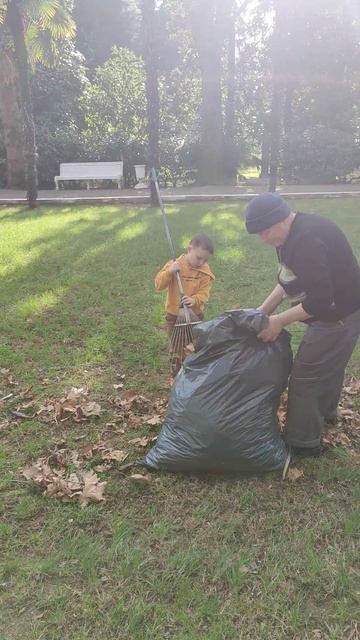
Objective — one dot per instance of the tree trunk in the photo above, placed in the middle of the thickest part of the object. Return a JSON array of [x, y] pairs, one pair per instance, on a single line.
[[278, 58], [288, 111], [13, 135], [150, 54], [288, 119], [207, 35], [275, 134], [265, 147], [230, 159], [16, 27]]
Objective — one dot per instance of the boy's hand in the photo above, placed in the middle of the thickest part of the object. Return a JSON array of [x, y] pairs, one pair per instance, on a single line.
[[174, 267], [188, 301]]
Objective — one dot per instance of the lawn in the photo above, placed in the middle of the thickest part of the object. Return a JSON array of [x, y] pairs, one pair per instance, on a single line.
[[185, 558]]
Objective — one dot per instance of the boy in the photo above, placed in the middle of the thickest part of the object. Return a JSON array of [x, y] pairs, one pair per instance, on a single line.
[[196, 279]]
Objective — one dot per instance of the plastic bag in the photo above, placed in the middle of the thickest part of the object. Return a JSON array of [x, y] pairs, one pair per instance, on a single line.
[[222, 414]]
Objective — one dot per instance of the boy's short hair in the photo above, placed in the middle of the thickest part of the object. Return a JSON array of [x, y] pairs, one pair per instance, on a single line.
[[203, 241]]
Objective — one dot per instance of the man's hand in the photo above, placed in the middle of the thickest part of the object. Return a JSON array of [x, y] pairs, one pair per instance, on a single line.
[[273, 329], [174, 267], [188, 301]]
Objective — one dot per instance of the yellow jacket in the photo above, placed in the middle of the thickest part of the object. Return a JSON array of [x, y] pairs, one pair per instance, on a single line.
[[196, 283]]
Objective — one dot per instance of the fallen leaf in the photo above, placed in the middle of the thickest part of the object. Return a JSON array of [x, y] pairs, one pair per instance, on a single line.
[[131, 398], [90, 409], [114, 454], [102, 467], [125, 467], [347, 414], [294, 474], [134, 421], [76, 395], [33, 472], [189, 348], [93, 490], [45, 408], [118, 386], [154, 420], [140, 442], [343, 439], [353, 388], [138, 478], [329, 439], [88, 450]]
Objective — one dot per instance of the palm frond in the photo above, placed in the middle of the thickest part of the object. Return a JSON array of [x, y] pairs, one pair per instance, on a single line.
[[41, 47], [42, 9], [3, 10], [60, 25]]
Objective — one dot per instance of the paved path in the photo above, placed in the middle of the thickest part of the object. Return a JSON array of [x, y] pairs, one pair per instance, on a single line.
[[178, 194]]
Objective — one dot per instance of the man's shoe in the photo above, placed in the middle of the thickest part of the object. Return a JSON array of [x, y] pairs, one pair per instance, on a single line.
[[332, 419], [298, 453]]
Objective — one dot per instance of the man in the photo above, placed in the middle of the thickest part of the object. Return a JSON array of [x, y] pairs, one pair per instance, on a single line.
[[320, 276]]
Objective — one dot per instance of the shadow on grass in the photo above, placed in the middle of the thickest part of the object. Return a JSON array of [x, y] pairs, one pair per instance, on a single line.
[[78, 286]]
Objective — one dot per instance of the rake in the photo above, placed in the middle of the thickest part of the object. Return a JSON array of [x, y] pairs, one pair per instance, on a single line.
[[182, 334]]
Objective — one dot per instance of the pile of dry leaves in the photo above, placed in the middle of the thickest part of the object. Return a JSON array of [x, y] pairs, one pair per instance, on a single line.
[[75, 405], [72, 475]]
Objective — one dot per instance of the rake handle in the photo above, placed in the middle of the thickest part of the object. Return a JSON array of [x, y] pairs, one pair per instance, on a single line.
[[153, 177]]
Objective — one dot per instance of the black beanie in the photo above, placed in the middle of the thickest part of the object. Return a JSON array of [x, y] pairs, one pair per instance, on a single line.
[[264, 211]]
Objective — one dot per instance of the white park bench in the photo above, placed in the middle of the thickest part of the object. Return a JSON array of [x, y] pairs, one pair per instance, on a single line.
[[90, 171]]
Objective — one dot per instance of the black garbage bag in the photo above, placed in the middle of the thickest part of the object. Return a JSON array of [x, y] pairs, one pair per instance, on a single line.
[[222, 414]]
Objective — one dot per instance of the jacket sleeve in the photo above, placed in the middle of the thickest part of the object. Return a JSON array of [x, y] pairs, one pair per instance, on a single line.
[[203, 294], [163, 278], [314, 273]]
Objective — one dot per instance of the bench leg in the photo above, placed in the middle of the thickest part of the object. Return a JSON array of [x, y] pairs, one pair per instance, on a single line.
[[56, 185], [87, 185]]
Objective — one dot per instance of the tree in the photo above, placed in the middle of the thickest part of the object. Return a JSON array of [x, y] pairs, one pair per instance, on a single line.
[[33, 28], [11, 120], [102, 25], [114, 110], [15, 22], [233, 19], [320, 122], [206, 19], [150, 55], [59, 119]]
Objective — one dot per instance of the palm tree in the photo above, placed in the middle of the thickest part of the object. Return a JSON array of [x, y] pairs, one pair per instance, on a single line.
[[29, 30]]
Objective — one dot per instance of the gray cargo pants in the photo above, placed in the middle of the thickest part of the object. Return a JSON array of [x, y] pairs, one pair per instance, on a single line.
[[317, 377]]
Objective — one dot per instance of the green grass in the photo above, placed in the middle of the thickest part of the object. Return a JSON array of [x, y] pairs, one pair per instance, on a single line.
[[187, 558]]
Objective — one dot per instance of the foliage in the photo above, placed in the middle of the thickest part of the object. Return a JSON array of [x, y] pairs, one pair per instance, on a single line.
[[114, 109], [56, 94], [215, 84]]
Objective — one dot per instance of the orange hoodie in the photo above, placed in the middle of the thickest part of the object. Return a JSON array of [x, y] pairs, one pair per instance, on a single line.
[[195, 281]]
